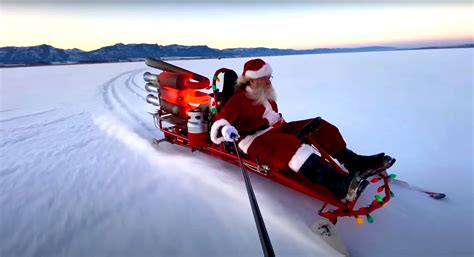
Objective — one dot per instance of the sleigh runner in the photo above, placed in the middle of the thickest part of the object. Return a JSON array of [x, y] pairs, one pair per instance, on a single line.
[[184, 114]]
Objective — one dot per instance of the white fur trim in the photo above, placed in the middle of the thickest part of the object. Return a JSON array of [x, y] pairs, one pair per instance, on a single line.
[[266, 70], [245, 143], [269, 114], [300, 157], [218, 124]]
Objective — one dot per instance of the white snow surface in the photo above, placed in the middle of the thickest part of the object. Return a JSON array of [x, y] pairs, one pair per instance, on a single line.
[[79, 176]]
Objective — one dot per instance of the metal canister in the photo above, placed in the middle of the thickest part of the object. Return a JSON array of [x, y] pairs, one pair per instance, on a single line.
[[152, 99], [198, 135], [150, 87], [149, 77]]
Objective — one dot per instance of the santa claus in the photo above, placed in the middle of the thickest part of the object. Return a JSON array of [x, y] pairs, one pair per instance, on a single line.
[[251, 116]]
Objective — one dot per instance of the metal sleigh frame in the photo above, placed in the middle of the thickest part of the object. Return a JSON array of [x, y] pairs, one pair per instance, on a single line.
[[174, 135], [177, 134]]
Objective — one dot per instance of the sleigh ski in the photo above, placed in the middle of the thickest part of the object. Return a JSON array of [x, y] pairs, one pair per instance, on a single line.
[[186, 104]]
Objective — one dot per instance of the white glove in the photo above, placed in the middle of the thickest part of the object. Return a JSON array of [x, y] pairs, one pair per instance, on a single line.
[[230, 133], [273, 117]]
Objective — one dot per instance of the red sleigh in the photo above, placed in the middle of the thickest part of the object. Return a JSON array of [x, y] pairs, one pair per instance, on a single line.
[[184, 114]]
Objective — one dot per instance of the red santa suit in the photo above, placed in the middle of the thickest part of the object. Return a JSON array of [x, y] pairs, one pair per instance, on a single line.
[[266, 137], [264, 134]]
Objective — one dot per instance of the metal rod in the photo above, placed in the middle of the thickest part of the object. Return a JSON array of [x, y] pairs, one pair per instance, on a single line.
[[262, 230], [164, 66]]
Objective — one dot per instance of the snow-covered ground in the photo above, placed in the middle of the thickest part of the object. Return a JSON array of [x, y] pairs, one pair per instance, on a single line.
[[79, 177]]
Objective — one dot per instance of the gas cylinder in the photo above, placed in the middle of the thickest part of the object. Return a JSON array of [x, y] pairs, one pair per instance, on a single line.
[[198, 135], [151, 99], [149, 77], [150, 87], [180, 81], [171, 108], [185, 100]]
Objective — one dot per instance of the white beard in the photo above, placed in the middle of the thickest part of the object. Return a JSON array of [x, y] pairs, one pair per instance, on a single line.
[[261, 94]]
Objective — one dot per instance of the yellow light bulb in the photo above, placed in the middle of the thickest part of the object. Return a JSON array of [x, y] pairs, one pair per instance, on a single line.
[[360, 220]]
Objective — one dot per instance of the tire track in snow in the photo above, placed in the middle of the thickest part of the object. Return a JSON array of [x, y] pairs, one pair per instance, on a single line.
[[35, 133], [122, 103], [42, 124], [105, 90], [129, 86], [118, 105], [140, 87], [9, 110], [27, 115]]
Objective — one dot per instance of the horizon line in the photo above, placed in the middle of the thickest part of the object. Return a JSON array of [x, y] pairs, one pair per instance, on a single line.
[[440, 43]]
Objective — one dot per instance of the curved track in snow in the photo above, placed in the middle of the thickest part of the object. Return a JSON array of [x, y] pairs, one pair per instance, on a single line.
[[20, 134], [25, 115], [125, 98]]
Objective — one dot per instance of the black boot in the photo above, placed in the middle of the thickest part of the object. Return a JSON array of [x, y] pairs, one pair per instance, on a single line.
[[364, 166], [386, 163], [342, 186], [357, 163]]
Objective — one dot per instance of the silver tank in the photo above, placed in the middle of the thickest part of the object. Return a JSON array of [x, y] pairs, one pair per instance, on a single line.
[[150, 87], [152, 100], [196, 122], [149, 77]]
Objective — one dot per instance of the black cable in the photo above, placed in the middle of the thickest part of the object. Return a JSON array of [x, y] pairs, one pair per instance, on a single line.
[[262, 230]]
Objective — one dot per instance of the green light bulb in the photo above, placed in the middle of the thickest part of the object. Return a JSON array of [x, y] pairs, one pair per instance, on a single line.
[[370, 219], [378, 198], [392, 194], [392, 176]]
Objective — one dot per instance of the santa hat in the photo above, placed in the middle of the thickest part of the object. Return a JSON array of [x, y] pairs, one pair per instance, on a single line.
[[256, 68]]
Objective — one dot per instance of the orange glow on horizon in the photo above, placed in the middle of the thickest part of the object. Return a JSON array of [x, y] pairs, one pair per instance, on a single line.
[[447, 41], [298, 27]]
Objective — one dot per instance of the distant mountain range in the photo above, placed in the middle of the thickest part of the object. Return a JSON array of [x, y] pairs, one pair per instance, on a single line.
[[46, 54]]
